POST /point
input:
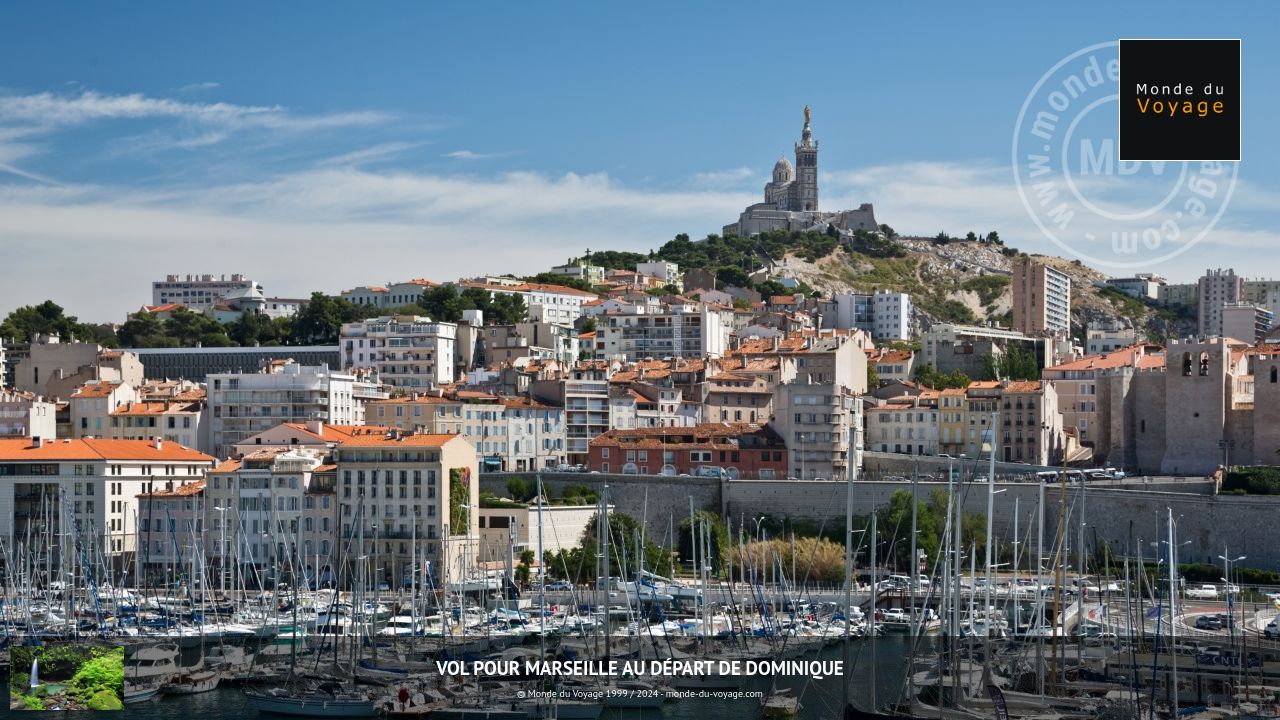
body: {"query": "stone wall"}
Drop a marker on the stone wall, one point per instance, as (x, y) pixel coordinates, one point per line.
(1127, 517)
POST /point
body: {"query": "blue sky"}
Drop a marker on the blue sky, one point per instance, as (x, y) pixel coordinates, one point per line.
(323, 146)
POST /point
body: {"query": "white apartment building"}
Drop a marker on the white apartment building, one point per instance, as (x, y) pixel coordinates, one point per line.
(388, 296)
(667, 272)
(245, 404)
(255, 512)
(891, 313)
(692, 330)
(405, 351)
(508, 433)
(92, 482)
(584, 395)
(198, 292)
(24, 414)
(906, 425)
(1101, 338)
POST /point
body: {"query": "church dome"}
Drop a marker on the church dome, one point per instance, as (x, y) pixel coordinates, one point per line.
(782, 171)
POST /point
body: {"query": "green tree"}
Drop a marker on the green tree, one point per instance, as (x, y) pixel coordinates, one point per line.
(719, 539)
(188, 327)
(1015, 363)
(320, 321)
(894, 526)
(47, 318)
(141, 330)
(873, 377)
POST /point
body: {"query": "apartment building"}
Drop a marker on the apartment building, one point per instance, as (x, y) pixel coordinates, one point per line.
(690, 330)
(51, 487)
(732, 450)
(1030, 427)
(393, 487)
(242, 405)
(494, 346)
(1041, 298)
(405, 351)
(1245, 321)
(584, 394)
(1215, 290)
(391, 295)
(907, 424)
(819, 356)
(24, 414)
(55, 369)
(508, 433)
(737, 398)
(1144, 286)
(817, 421)
(1108, 337)
(255, 514)
(198, 292)
(171, 532)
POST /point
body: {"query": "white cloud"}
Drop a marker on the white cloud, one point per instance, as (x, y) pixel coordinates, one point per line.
(732, 179)
(50, 110)
(198, 87)
(469, 155)
(365, 156)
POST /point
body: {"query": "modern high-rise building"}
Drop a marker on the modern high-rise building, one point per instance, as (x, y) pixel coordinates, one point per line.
(1216, 289)
(1041, 298)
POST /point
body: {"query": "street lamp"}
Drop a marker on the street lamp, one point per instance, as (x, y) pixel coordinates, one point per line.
(222, 550)
(1226, 579)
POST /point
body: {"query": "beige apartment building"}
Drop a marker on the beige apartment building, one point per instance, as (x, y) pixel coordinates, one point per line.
(1041, 298)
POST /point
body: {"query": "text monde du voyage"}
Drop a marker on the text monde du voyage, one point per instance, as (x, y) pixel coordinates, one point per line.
(1180, 99)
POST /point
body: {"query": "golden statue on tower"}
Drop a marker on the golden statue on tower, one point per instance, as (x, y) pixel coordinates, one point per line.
(806, 114)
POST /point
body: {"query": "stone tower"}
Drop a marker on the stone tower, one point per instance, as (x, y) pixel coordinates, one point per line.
(805, 188)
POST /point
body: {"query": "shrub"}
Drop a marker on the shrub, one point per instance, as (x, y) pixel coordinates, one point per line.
(33, 703)
(105, 700)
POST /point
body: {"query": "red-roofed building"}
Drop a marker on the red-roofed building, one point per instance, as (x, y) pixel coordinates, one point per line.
(740, 450)
(94, 482)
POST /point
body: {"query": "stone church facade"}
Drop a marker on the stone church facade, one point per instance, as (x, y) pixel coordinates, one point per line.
(791, 198)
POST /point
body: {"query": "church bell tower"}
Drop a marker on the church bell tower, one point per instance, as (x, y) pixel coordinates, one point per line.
(806, 183)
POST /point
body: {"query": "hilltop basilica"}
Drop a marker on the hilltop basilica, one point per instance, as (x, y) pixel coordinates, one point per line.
(791, 198)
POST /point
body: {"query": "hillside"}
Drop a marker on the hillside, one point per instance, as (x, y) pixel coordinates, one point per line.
(951, 279)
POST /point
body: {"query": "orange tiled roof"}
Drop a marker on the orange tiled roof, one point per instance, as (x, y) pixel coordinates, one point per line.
(98, 449)
(894, 356)
(340, 433)
(166, 307)
(183, 490)
(397, 440)
(95, 390)
(1023, 386)
(153, 408)
(227, 466)
(1124, 357)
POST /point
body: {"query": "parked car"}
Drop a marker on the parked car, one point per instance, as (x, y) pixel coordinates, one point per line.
(1208, 622)
(1272, 630)
(559, 585)
(895, 615)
